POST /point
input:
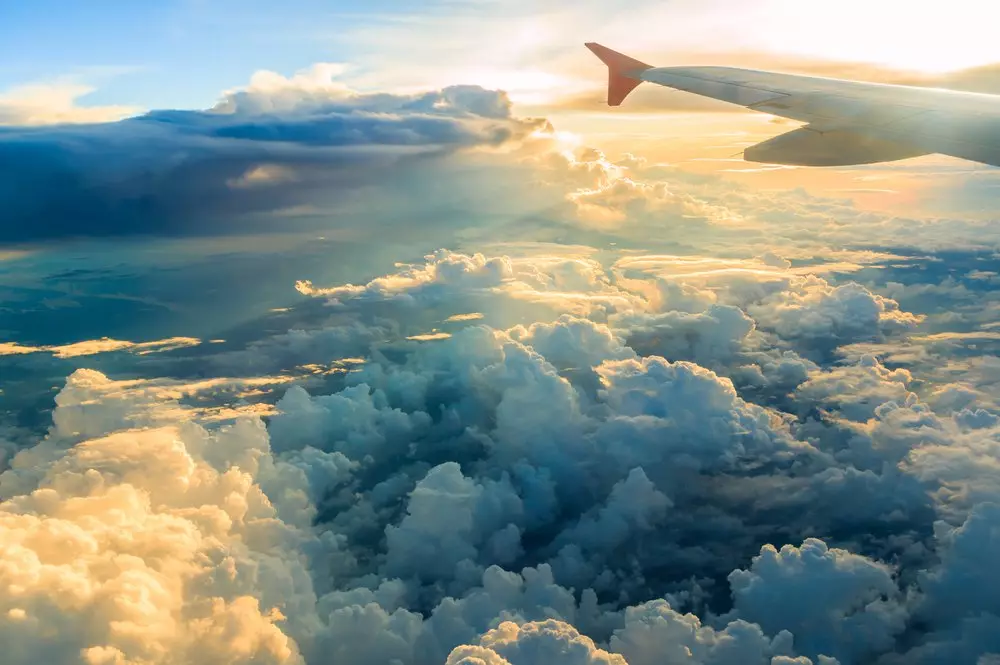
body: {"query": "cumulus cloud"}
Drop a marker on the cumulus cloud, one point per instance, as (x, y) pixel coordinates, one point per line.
(539, 642)
(966, 584)
(815, 311)
(656, 633)
(570, 341)
(176, 170)
(55, 103)
(570, 475)
(856, 391)
(835, 603)
(127, 525)
(448, 518)
(705, 337)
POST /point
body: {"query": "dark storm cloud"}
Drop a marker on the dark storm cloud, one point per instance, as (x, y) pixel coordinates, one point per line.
(198, 172)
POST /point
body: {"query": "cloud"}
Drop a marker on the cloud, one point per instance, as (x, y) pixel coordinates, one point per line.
(834, 602)
(959, 600)
(857, 391)
(705, 337)
(443, 269)
(570, 341)
(534, 643)
(105, 345)
(448, 518)
(471, 316)
(55, 103)
(634, 506)
(536, 484)
(654, 633)
(958, 452)
(641, 452)
(189, 524)
(815, 311)
(175, 171)
(964, 585)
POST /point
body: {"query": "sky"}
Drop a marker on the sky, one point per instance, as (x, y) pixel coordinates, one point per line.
(372, 335)
(183, 53)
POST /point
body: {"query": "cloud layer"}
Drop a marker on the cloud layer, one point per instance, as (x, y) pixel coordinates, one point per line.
(652, 451)
(508, 493)
(286, 146)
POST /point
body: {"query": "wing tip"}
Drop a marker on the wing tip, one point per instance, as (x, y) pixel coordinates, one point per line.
(622, 72)
(616, 60)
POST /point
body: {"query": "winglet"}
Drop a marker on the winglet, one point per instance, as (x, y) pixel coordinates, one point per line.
(623, 72)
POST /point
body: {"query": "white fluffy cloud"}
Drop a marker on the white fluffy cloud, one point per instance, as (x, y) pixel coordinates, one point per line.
(967, 583)
(448, 519)
(835, 603)
(535, 643)
(813, 311)
(856, 391)
(682, 415)
(443, 269)
(570, 341)
(56, 102)
(132, 546)
(655, 634)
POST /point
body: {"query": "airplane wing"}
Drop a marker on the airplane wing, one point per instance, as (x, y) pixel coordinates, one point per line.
(847, 122)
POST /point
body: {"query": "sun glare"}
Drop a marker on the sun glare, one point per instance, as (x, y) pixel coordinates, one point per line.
(905, 35)
(523, 86)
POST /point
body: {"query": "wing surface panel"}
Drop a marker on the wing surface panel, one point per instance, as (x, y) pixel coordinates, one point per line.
(870, 121)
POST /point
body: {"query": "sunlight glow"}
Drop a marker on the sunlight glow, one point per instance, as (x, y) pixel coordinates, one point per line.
(56, 103)
(907, 35)
(523, 86)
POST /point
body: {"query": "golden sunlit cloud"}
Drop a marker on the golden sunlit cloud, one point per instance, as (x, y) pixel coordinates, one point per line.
(56, 103)
(472, 316)
(103, 345)
(428, 337)
(262, 175)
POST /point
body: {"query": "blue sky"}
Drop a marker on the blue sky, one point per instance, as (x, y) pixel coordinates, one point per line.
(138, 56)
(185, 53)
(173, 53)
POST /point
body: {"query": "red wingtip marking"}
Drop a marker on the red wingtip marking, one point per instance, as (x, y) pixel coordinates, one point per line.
(619, 87)
(622, 71)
